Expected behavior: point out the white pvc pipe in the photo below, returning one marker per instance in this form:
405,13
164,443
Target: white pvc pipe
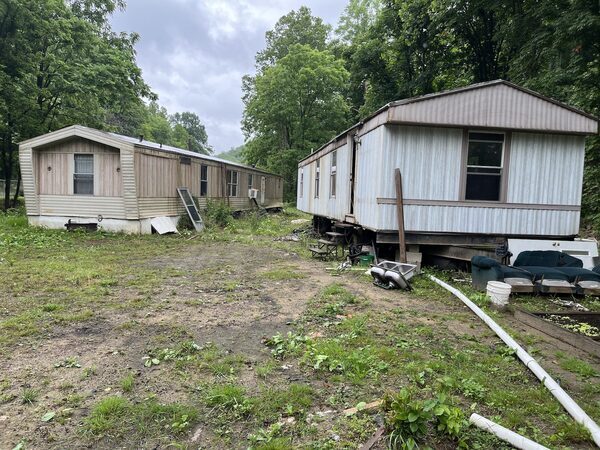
514,439
567,402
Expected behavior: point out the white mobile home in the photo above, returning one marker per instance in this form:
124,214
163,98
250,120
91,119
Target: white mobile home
122,183
477,163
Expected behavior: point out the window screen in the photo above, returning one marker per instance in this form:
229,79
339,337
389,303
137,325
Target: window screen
232,183
484,166
203,180
83,175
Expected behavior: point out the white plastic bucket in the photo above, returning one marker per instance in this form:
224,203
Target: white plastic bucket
498,292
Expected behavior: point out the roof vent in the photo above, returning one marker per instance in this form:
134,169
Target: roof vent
141,137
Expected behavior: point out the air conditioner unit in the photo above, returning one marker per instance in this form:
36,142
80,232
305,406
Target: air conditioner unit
252,193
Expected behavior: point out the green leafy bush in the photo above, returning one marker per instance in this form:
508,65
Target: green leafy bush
408,419
217,214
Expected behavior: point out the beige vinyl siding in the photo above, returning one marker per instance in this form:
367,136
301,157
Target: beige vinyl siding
28,175
53,173
82,206
130,191
55,168
157,175
107,175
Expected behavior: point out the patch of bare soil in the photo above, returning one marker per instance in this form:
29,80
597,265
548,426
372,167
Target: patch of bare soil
219,296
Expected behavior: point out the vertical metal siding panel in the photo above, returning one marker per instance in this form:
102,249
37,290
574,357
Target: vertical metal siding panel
370,167
546,169
429,159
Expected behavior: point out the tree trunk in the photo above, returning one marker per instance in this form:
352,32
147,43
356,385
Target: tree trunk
16,197
7,150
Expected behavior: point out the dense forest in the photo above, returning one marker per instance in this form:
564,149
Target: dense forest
60,63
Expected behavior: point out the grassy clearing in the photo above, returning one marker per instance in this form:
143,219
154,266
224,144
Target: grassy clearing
422,353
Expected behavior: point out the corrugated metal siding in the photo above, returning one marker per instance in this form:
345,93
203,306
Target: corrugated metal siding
495,106
546,169
325,205
449,219
28,178
82,205
428,158
370,169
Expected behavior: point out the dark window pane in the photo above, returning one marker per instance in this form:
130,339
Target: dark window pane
84,184
483,187
485,154
203,180
482,170
486,137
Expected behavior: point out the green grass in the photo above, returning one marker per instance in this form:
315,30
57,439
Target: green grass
128,383
577,366
29,396
344,350
117,417
283,274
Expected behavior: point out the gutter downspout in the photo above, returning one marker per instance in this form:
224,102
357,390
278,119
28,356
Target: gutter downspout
564,399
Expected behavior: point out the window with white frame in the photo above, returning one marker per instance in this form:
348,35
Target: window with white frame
250,181
203,180
333,174
83,174
301,182
232,183
317,178
484,166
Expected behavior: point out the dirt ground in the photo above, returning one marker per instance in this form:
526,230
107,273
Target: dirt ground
223,293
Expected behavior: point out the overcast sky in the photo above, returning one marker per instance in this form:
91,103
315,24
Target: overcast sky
193,53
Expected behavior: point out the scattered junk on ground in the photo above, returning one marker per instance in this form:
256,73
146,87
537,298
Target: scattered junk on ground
393,275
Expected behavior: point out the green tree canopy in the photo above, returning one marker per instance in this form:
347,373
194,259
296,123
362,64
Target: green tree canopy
297,105
61,64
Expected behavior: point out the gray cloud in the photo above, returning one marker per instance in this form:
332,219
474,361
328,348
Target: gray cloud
194,52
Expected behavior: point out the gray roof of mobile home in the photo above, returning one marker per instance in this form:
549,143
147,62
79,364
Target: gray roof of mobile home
495,104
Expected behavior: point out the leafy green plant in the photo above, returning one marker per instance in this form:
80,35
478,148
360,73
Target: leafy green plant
408,418
267,435
217,213
290,344
229,397
69,363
